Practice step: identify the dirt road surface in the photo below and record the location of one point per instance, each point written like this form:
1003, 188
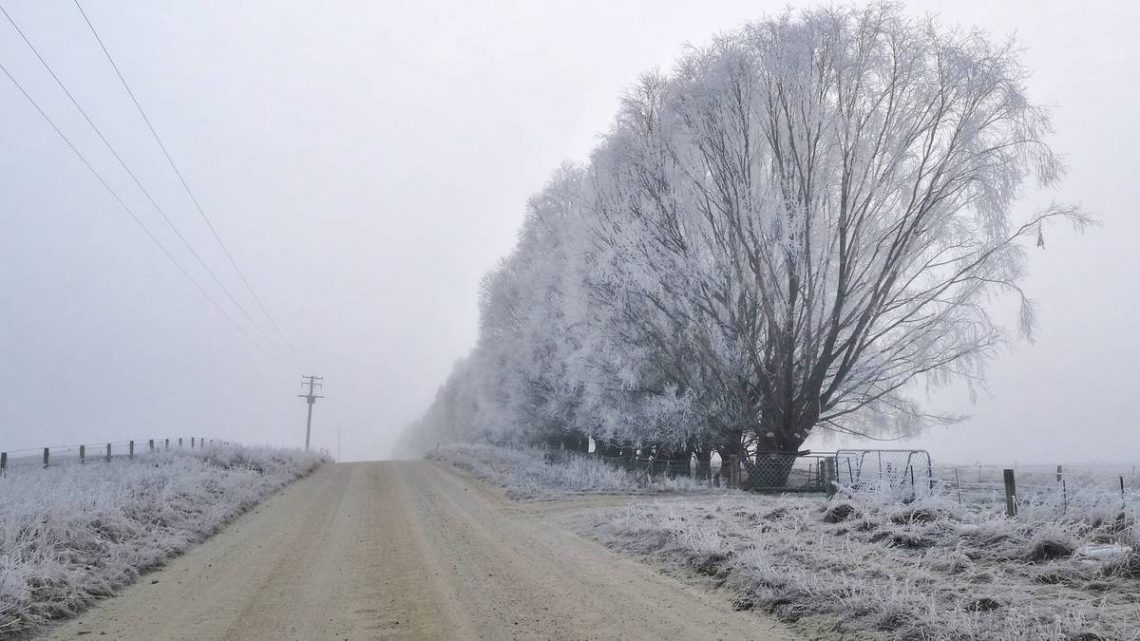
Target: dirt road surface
408, 550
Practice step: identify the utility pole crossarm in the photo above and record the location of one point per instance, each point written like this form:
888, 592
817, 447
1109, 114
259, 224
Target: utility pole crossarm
314, 383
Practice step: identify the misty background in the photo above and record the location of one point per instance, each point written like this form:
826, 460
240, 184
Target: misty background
368, 163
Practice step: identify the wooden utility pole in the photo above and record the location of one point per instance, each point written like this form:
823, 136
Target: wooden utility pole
315, 383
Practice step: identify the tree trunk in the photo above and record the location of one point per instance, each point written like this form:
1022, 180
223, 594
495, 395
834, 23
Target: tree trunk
608, 451
628, 454
680, 464
776, 453
704, 465
730, 447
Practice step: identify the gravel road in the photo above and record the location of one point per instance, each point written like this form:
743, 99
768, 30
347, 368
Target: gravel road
409, 550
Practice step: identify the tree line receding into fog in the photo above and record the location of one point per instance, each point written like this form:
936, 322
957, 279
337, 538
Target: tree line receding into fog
798, 229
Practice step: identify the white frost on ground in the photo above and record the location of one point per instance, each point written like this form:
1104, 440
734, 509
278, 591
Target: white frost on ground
73, 534
525, 473
869, 565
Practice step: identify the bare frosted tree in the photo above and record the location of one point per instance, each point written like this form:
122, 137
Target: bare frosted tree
837, 189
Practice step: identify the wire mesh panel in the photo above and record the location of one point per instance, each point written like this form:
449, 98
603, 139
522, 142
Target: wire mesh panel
787, 472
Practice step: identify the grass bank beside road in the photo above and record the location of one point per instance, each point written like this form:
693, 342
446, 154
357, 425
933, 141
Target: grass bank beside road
74, 534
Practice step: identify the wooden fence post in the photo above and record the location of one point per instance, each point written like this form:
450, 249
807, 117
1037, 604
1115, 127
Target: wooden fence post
3, 462
47, 454
830, 476
733, 471
108, 452
150, 444
191, 442
1010, 493
167, 444
131, 449
179, 442
82, 454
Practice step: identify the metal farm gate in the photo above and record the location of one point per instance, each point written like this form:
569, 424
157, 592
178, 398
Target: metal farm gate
827, 471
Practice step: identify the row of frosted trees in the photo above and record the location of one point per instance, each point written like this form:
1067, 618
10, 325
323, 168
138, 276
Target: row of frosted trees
796, 230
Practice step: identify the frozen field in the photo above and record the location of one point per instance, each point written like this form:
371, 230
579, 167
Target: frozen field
877, 564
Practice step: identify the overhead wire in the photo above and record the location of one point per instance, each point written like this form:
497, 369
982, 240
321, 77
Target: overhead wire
127, 209
181, 178
134, 178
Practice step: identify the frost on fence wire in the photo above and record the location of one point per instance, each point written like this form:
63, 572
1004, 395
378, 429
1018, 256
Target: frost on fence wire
883, 469
42, 457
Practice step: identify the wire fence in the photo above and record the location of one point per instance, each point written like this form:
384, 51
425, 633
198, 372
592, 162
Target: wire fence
22, 460
781, 471
1044, 491
1049, 492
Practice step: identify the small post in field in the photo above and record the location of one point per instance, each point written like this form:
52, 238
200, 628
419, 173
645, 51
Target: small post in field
191, 442
1010, 493
108, 452
958, 484
47, 455
167, 444
82, 454
179, 442
3, 462
150, 444
1060, 473
131, 449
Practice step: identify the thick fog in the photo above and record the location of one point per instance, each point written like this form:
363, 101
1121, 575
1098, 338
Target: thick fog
366, 163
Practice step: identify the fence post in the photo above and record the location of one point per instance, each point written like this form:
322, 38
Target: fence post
179, 442
830, 475
82, 454
1060, 473
3, 462
131, 449
167, 444
47, 453
108, 452
150, 444
191, 442
734, 471
1010, 493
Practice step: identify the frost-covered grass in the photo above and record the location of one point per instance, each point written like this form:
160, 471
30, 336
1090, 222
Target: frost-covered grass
73, 534
868, 566
525, 473
875, 564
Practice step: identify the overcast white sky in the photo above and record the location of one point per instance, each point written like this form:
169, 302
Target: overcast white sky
368, 162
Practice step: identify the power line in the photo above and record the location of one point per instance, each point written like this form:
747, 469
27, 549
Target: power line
134, 178
126, 208
181, 178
